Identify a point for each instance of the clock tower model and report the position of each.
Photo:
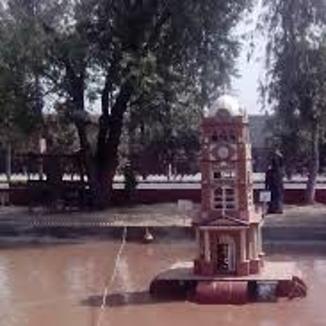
(228, 228)
(228, 267)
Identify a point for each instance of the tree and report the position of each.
(132, 55)
(295, 83)
(20, 110)
(165, 136)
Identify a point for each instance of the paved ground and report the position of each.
(164, 215)
(299, 216)
(298, 223)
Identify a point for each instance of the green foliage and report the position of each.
(21, 64)
(146, 41)
(163, 61)
(61, 135)
(295, 81)
(154, 44)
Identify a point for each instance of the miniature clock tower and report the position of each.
(228, 228)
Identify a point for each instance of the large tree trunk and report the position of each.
(8, 161)
(87, 155)
(313, 166)
(88, 162)
(110, 130)
(101, 166)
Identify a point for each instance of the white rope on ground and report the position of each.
(110, 280)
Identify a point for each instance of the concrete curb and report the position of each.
(271, 234)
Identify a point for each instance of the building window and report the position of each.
(224, 136)
(224, 198)
(233, 138)
(214, 138)
(223, 173)
(229, 174)
(202, 245)
(217, 175)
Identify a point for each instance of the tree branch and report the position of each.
(157, 29)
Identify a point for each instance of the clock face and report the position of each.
(223, 152)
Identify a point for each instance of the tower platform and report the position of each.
(272, 271)
(276, 279)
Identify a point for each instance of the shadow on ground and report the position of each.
(27, 243)
(126, 299)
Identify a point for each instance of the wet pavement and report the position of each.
(298, 223)
(155, 215)
(62, 283)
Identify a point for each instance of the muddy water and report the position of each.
(62, 285)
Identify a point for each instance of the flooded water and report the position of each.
(63, 285)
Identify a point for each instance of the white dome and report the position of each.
(225, 102)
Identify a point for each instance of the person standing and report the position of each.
(274, 183)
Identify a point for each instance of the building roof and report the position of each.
(223, 221)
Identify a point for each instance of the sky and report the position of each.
(245, 88)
